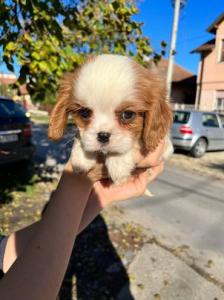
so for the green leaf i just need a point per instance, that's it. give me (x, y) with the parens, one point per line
(10, 46)
(9, 66)
(68, 50)
(35, 55)
(163, 44)
(43, 66)
(56, 36)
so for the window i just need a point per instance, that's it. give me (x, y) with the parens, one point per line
(181, 117)
(210, 120)
(219, 100)
(221, 56)
(8, 108)
(220, 104)
(222, 120)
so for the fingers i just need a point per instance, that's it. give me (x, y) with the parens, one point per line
(134, 187)
(156, 171)
(153, 158)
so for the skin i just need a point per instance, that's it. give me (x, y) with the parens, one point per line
(37, 256)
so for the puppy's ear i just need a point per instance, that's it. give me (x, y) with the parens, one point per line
(158, 114)
(59, 114)
(156, 124)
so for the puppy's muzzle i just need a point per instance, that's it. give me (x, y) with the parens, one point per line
(103, 137)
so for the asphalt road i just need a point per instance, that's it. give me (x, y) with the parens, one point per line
(186, 209)
(191, 205)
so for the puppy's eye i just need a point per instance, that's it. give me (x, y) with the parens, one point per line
(127, 116)
(85, 113)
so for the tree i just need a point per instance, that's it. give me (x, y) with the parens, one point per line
(49, 37)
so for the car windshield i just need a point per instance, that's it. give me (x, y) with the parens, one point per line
(9, 108)
(181, 117)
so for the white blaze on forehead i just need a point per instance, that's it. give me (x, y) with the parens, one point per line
(105, 81)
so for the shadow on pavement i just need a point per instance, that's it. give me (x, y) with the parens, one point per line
(14, 177)
(95, 267)
(217, 166)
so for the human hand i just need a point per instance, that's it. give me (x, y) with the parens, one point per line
(150, 159)
(106, 192)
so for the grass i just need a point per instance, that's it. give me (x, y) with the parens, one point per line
(44, 119)
(22, 197)
(41, 119)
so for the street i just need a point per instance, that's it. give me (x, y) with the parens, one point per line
(189, 205)
(186, 211)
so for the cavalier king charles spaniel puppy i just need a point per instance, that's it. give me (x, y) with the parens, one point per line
(119, 108)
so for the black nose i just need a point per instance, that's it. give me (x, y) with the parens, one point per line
(103, 137)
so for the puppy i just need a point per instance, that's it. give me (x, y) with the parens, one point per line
(119, 108)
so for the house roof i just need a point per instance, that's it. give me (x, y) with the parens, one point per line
(212, 28)
(179, 73)
(206, 47)
(7, 79)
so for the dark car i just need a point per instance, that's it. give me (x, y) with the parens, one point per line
(15, 133)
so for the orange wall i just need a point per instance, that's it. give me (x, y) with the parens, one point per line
(213, 73)
(213, 69)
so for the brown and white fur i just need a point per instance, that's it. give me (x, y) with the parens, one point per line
(113, 95)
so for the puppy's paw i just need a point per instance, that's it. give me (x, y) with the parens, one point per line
(120, 168)
(82, 165)
(81, 161)
(120, 180)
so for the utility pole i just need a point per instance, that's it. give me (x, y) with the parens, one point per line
(178, 4)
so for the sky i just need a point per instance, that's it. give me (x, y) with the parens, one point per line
(194, 19)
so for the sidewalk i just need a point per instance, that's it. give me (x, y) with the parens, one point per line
(156, 274)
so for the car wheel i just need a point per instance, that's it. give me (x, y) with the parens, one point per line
(199, 148)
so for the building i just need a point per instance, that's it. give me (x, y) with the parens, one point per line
(183, 89)
(210, 80)
(19, 94)
(5, 81)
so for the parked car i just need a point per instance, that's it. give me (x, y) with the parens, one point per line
(15, 133)
(198, 131)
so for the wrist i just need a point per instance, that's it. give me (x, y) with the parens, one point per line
(101, 195)
(68, 167)
(74, 183)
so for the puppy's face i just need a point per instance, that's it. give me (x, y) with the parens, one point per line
(112, 129)
(115, 103)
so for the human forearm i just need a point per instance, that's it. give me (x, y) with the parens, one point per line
(94, 205)
(17, 241)
(38, 272)
(93, 208)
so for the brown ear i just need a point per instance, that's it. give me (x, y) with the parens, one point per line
(157, 113)
(156, 124)
(59, 114)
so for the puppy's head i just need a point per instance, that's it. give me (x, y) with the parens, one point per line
(115, 103)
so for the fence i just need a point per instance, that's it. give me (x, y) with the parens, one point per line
(181, 106)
